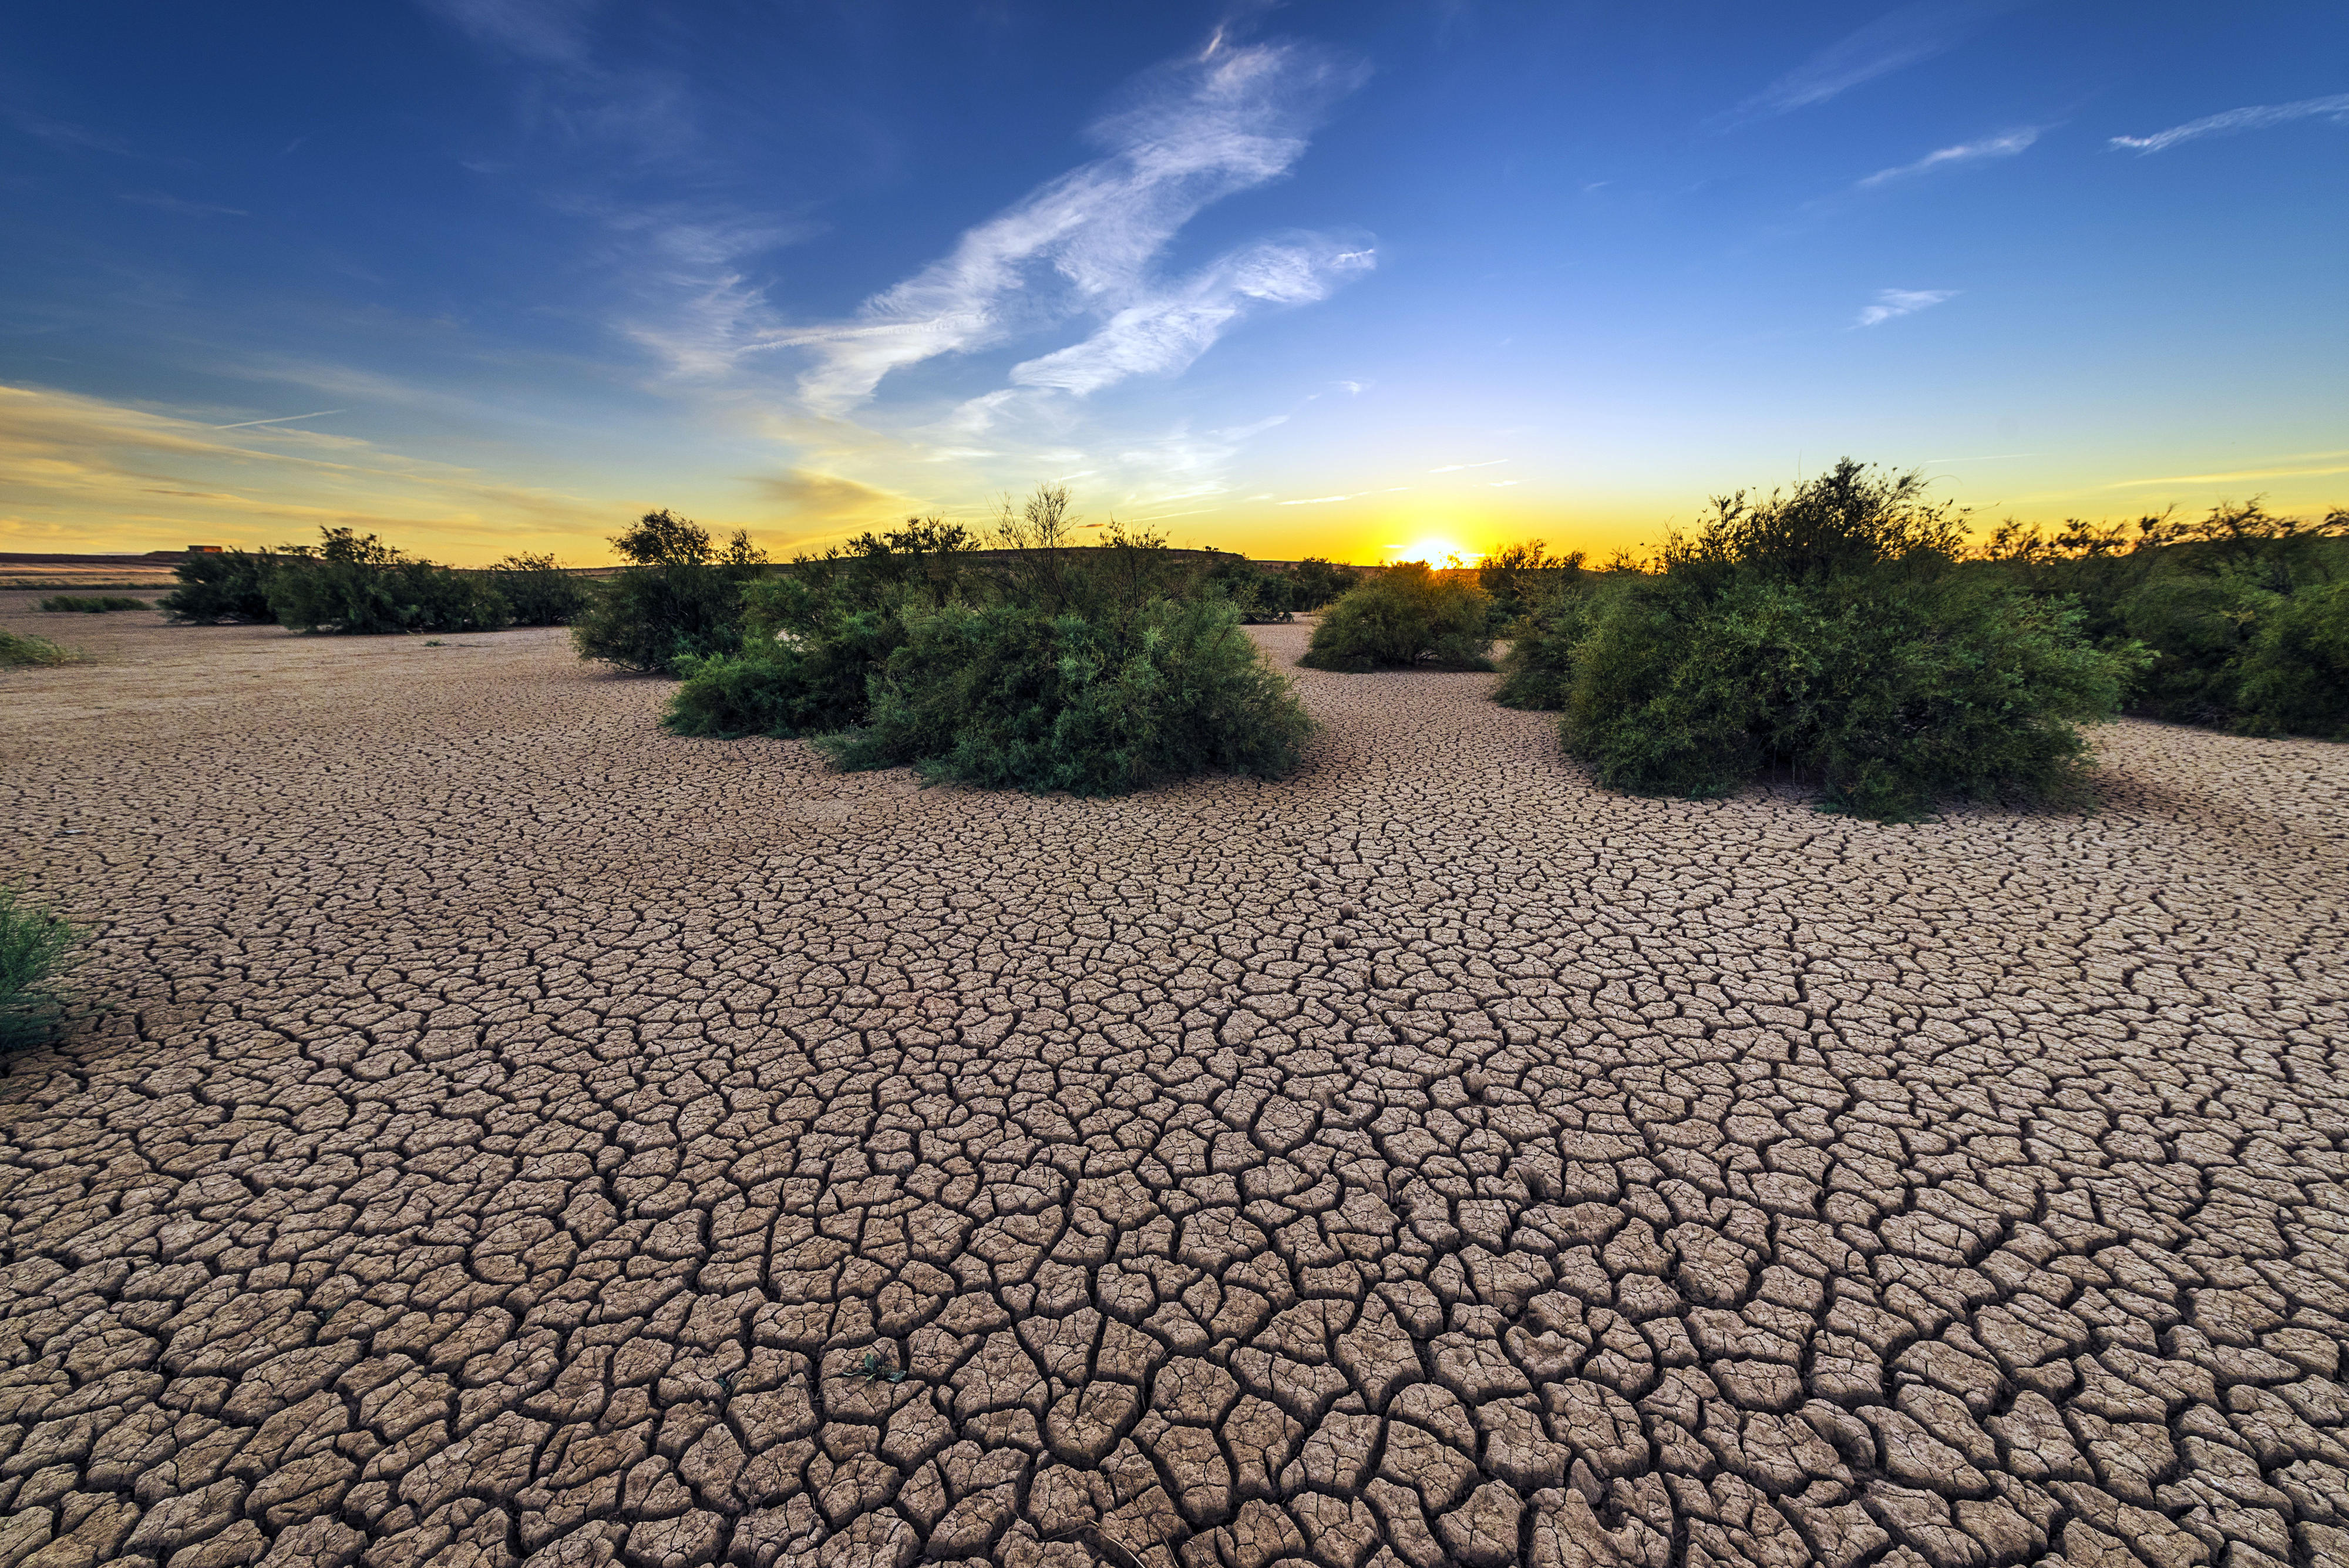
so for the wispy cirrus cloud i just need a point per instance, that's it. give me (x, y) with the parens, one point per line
(1088, 241)
(1893, 303)
(552, 32)
(168, 203)
(1898, 38)
(1162, 333)
(153, 476)
(63, 134)
(2006, 145)
(2257, 116)
(2309, 465)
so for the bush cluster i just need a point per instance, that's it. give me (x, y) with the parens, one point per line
(227, 586)
(1093, 669)
(815, 635)
(2243, 614)
(1519, 580)
(1407, 614)
(1831, 633)
(1261, 596)
(355, 584)
(538, 592)
(1009, 695)
(680, 598)
(86, 605)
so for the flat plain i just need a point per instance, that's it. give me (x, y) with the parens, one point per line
(520, 1133)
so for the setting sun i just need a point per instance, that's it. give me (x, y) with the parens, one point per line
(1434, 549)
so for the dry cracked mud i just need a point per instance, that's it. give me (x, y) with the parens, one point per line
(526, 1136)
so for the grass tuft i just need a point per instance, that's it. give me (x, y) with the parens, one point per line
(22, 648)
(34, 947)
(85, 604)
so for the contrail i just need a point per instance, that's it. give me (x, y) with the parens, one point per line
(243, 425)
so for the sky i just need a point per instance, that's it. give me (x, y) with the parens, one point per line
(1358, 280)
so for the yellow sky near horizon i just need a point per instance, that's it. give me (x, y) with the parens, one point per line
(81, 474)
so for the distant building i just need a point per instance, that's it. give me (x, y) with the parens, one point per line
(204, 549)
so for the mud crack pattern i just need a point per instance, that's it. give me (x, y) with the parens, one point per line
(527, 1137)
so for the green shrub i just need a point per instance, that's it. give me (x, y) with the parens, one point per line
(1314, 582)
(814, 634)
(227, 585)
(1095, 669)
(2295, 676)
(537, 592)
(1889, 691)
(100, 605)
(680, 599)
(2214, 601)
(357, 585)
(1538, 669)
(1521, 579)
(1407, 614)
(1260, 597)
(1831, 633)
(1042, 567)
(34, 945)
(1011, 695)
(786, 687)
(22, 648)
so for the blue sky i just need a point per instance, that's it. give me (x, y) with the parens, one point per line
(490, 275)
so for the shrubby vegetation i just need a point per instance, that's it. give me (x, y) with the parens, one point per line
(1093, 669)
(1258, 597)
(1833, 633)
(538, 592)
(86, 605)
(34, 947)
(1011, 695)
(355, 584)
(1262, 597)
(1539, 666)
(815, 635)
(2244, 615)
(22, 648)
(1407, 614)
(1519, 580)
(1314, 582)
(680, 597)
(228, 585)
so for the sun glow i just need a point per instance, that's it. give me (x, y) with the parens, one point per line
(1434, 549)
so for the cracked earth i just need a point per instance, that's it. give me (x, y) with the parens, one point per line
(526, 1136)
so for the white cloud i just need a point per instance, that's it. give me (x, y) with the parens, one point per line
(2005, 146)
(1456, 467)
(1897, 302)
(1321, 500)
(1165, 332)
(1190, 134)
(2258, 117)
(184, 208)
(280, 419)
(1901, 37)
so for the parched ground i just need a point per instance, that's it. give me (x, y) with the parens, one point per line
(524, 1134)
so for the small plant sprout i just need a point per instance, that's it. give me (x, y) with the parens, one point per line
(877, 1368)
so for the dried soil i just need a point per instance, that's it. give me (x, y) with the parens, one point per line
(524, 1134)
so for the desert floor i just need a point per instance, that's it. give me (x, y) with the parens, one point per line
(519, 1126)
